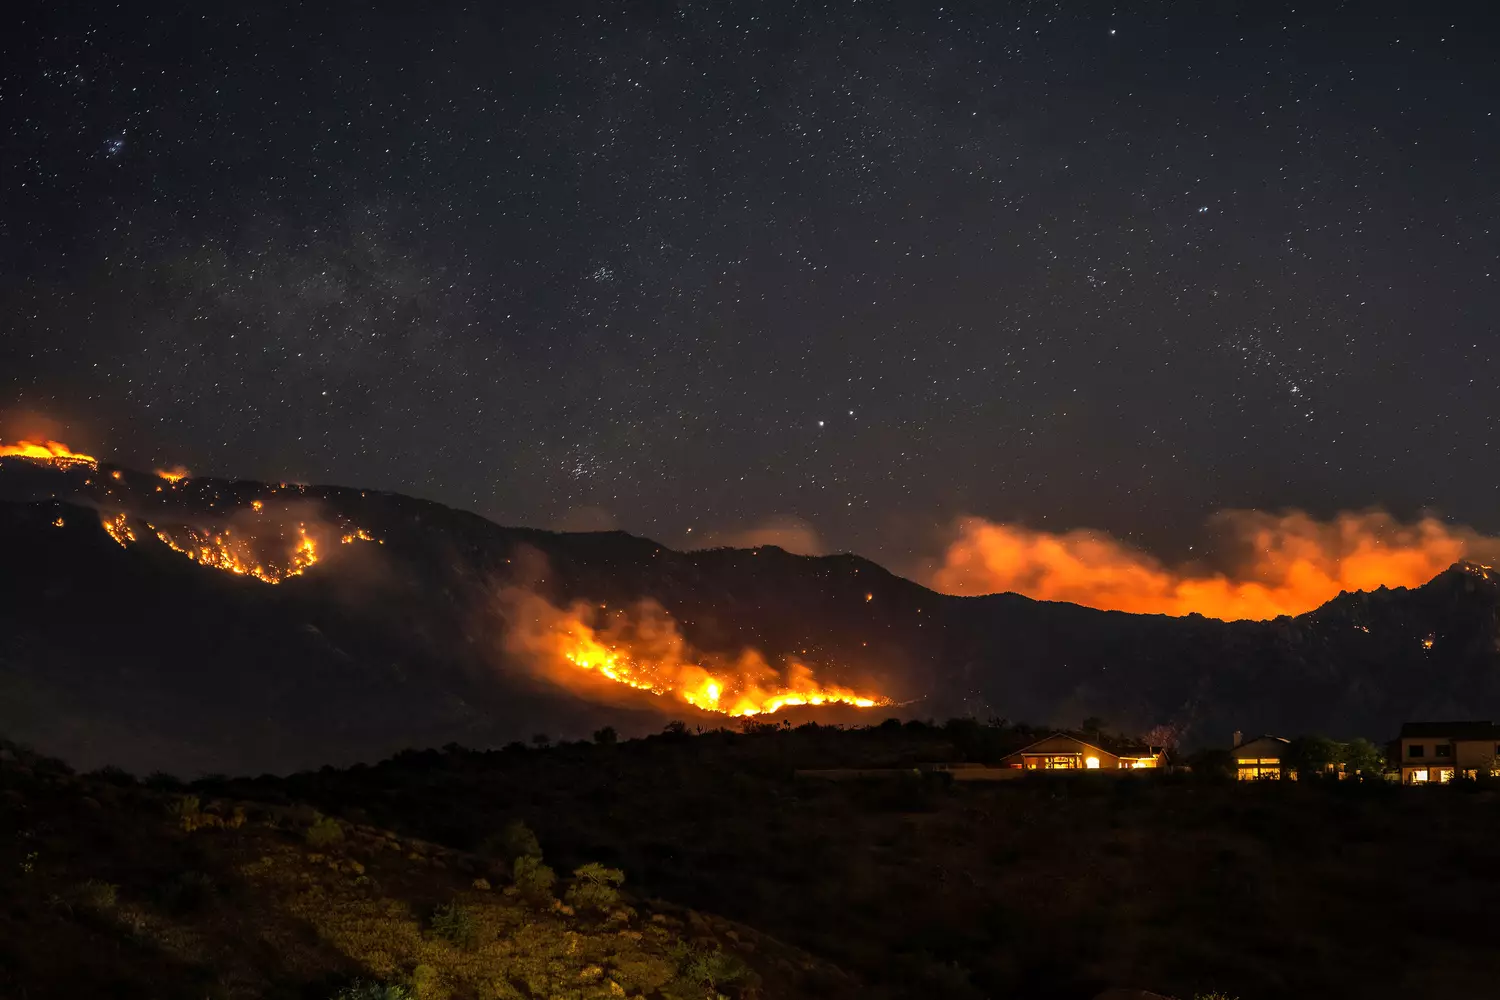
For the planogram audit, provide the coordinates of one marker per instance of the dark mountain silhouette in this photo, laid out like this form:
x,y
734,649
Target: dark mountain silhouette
x,y
138,656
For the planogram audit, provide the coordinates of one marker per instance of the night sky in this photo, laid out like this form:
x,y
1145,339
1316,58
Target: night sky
x,y
862,268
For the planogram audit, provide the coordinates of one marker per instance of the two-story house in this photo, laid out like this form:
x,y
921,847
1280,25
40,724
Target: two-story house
x,y
1436,752
1260,758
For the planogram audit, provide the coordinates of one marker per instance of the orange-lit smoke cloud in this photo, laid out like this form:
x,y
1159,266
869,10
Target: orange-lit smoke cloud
x,y
601,651
1282,564
790,533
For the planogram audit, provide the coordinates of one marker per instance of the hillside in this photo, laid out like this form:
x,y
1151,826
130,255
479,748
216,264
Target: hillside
x,y
1050,887
113,888
135,654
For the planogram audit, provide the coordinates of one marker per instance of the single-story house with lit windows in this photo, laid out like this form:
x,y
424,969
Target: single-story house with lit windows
x,y
1437,752
1066,752
1260,758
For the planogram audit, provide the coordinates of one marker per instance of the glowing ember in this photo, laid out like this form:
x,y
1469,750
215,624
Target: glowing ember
x,y
236,552
174,475
50,452
645,651
118,528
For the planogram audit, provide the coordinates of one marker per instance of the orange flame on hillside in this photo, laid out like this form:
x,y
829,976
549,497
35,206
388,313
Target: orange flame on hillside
x,y
174,475
267,556
643,649
1291,563
50,452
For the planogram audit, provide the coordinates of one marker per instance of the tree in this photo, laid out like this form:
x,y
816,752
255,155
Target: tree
x,y
606,737
675,728
1361,757
1310,755
1093,725
1212,762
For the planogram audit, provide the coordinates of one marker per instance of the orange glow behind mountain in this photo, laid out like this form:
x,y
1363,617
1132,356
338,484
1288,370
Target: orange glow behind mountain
x,y
1287,564
643,649
50,452
269,554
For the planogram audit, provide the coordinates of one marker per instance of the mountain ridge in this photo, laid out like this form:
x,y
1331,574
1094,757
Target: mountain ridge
x,y
140,656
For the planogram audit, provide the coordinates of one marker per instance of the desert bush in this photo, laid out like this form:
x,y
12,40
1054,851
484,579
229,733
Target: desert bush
x,y
324,832
514,842
710,967
373,991
606,737
97,897
534,880
456,925
595,887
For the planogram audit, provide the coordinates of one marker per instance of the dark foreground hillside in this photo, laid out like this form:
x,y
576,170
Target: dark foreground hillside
x,y
1048,888
112,888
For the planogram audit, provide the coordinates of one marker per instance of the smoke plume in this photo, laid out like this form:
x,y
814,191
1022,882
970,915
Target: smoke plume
x,y
1278,564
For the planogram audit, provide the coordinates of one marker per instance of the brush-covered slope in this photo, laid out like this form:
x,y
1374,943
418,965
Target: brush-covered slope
x,y
111,888
138,655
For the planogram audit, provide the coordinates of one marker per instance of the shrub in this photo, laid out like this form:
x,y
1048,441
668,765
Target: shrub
x,y
534,880
517,841
595,887
98,897
713,967
455,924
373,991
324,832
606,737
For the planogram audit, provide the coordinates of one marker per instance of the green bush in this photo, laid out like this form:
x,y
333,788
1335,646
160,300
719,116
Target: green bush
x,y
595,887
516,841
455,924
373,991
534,880
324,832
712,968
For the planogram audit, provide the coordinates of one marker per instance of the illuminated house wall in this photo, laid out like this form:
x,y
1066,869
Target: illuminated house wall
x,y
1434,753
1062,752
1262,758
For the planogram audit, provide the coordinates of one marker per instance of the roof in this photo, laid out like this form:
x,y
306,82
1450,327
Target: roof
x,y
1110,747
1257,739
1471,730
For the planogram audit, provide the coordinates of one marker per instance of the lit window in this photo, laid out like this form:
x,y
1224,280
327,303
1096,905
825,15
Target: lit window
x,y
1444,775
1091,763
1419,776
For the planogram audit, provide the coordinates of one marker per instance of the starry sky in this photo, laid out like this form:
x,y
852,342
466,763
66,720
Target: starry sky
x,y
857,269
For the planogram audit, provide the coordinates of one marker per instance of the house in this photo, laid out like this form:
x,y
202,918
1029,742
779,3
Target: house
x,y
1260,758
1066,752
1436,752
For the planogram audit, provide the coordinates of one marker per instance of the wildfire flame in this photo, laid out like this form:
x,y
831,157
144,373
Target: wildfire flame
x,y
1292,563
233,551
643,649
174,475
51,452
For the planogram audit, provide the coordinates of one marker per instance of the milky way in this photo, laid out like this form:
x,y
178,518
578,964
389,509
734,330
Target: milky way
x,y
860,269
